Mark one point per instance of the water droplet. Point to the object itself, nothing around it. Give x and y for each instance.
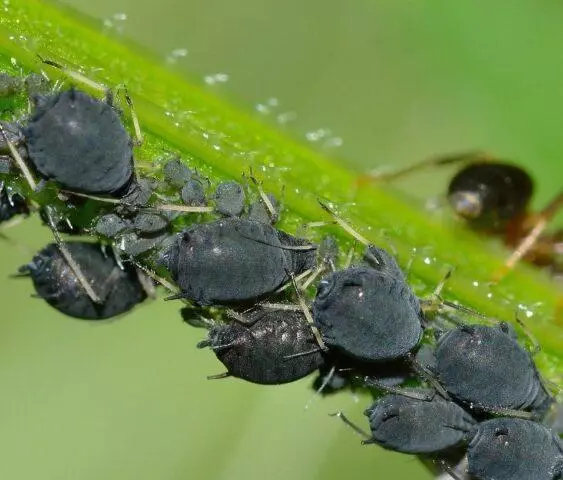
(116, 22)
(176, 54)
(475, 283)
(216, 78)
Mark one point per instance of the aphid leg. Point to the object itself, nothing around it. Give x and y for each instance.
(433, 162)
(344, 225)
(69, 260)
(427, 375)
(449, 470)
(353, 426)
(156, 278)
(274, 214)
(316, 272)
(183, 208)
(540, 222)
(219, 376)
(509, 412)
(74, 75)
(434, 303)
(19, 160)
(326, 380)
(349, 258)
(134, 118)
(307, 314)
(280, 306)
(370, 382)
(297, 279)
(238, 317)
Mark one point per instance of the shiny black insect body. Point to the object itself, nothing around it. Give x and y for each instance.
(119, 288)
(514, 449)
(487, 369)
(410, 425)
(270, 347)
(234, 260)
(490, 194)
(369, 313)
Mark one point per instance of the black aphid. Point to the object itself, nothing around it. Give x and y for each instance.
(410, 425)
(229, 199)
(370, 314)
(514, 449)
(486, 368)
(271, 347)
(234, 260)
(80, 143)
(118, 288)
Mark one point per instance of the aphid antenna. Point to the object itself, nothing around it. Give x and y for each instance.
(274, 214)
(134, 117)
(69, 260)
(307, 314)
(427, 375)
(362, 433)
(370, 382)
(326, 380)
(19, 161)
(344, 225)
(301, 248)
(161, 207)
(433, 162)
(541, 220)
(446, 467)
(75, 75)
(219, 376)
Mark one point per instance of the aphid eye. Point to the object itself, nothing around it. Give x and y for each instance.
(186, 237)
(324, 289)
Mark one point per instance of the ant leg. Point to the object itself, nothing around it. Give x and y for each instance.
(540, 221)
(433, 162)
(353, 426)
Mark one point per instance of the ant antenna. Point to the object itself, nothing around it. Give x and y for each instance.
(440, 161)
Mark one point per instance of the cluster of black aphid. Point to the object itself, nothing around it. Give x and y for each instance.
(71, 161)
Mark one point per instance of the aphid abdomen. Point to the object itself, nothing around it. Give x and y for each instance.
(80, 143)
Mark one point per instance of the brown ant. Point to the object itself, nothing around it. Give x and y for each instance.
(493, 196)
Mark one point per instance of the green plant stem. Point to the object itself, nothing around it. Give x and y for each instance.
(212, 135)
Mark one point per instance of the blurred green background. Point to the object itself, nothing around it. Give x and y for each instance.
(380, 82)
